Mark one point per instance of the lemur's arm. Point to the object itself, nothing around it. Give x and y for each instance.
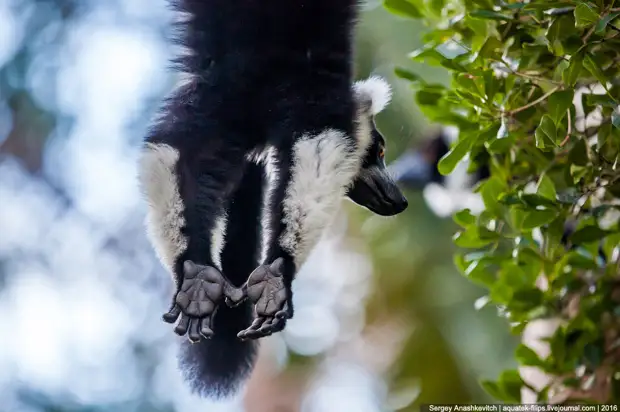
(186, 187)
(312, 179)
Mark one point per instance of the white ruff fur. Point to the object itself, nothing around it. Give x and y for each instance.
(164, 219)
(374, 91)
(323, 167)
(363, 133)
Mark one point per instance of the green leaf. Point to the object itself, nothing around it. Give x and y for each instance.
(511, 383)
(602, 23)
(571, 73)
(464, 218)
(546, 188)
(534, 201)
(491, 191)
(491, 85)
(501, 293)
(558, 104)
(526, 299)
(577, 173)
(558, 347)
(449, 161)
(484, 3)
(580, 261)
(585, 15)
(546, 133)
(490, 15)
(491, 49)
(402, 8)
(610, 243)
(470, 238)
(407, 75)
(515, 277)
(615, 120)
(429, 95)
(537, 218)
(552, 236)
(588, 234)
(528, 357)
(600, 99)
(465, 81)
(578, 155)
(594, 69)
(452, 65)
(437, 5)
(558, 31)
(427, 55)
(477, 272)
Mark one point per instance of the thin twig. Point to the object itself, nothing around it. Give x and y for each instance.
(526, 75)
(569, 129)
(613, 27)
(540, 79)
(535, 102)
(588, 34)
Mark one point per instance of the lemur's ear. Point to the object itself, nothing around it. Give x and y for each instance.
(372, 94)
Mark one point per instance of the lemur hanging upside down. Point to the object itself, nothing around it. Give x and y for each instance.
(248, 165)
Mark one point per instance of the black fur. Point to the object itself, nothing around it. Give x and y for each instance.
(260, 72)
(217, 366)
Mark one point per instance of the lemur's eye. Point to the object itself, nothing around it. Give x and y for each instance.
(381, 153)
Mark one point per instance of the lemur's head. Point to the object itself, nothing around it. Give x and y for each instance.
(373, 187)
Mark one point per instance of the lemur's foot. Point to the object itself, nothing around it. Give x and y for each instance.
(202, 290)
(265, 288)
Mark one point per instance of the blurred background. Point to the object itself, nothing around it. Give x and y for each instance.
(383, 320)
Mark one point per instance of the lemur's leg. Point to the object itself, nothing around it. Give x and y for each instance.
(312, 178)
(241, 245)
(186, 191)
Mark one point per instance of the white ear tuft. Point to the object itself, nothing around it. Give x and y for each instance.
(375, 90)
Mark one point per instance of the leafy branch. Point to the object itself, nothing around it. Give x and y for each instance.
(535, 91)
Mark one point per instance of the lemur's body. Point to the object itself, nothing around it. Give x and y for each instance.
(268, 85)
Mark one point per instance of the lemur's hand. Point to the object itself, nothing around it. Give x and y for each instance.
(266, 290)
(196, 301)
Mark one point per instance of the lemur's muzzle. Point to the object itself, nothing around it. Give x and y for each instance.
(375, 189)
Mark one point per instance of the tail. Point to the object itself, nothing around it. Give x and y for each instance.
(210, 29)
(217, 367)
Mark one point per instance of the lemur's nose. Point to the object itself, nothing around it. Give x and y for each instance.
(401, 204)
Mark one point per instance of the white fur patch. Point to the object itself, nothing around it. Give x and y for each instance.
(375, 90)
(259, 156)
(272, 170)
(267, 157)
(164, 219)
(323, 167)
(218, 237)
(363, 133)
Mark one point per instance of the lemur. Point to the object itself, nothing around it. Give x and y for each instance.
(255, 153)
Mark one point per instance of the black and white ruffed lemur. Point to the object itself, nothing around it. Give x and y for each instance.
(248, 164)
